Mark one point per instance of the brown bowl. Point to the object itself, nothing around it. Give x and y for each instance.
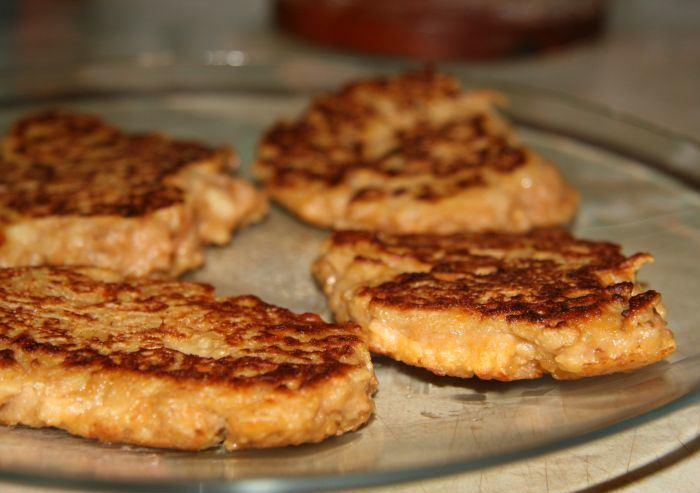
(442, 29)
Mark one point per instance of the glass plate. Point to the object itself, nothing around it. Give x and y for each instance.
(639, 189)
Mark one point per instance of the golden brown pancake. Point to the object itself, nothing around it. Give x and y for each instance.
(169, 364)
(411, 153)
(76, 190)
(496, 305)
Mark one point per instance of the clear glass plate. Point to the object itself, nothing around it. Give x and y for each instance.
(639, 187)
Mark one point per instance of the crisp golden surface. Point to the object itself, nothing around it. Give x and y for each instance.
(496, 305)
(74, 189)
(168, 364)
(411, 153)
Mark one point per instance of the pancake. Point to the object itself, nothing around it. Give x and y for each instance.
(412, 153)
(169, 364)
(76, 190)
(501, 306)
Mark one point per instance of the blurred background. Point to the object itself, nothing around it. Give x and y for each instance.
(636, 56)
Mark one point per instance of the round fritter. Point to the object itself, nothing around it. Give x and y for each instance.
(169, 364)
(137, 203)
(498, 305)
(411, 153)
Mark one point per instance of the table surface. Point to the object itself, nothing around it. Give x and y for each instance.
(647, 64)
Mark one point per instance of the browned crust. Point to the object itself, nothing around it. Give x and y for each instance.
(545, 277)
(76, 190)
(169, 364)
(415, 138)
(84, 319)
(412, 154)
(57, 163)
(496, 305)
(319, 366)
(326, 144)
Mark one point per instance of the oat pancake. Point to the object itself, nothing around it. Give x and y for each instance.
(76, 190)
(497, 305)
(411, 153)
(168, 364)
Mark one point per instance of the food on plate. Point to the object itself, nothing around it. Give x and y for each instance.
(501, 306)
(411, 153)
(76, 190)
(166, 363)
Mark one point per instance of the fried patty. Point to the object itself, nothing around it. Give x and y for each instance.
(411, 153)
(168, 364)
(496, 305)
(76, 190)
